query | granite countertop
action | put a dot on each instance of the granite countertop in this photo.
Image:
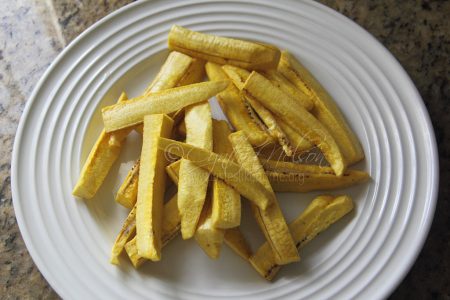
(33, 32)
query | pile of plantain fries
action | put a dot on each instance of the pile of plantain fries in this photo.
(277, 109)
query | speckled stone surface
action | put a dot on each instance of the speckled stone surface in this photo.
(33, 32)
(74, 16)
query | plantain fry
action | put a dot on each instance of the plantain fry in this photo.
(208, 237)
(193, 180)
(151, 187)
(237, 242)
(127, 193)
(177, 117)
(230, 172)
(172, 71)
(273, 152)
(234, 108)
(173, 170)
(317, 217)
(325, 109)
(233, 237)
(298, 142)
(132, 253)
(127, 231)
(191, 206)
(170, 229)
(289, 88)
(269, 123)
(128, 114)
(303, 182)
(226, 202)
(223, 50)
(294, 177)
(179, 69)
(237, 75)
(171, 221)
(103, 154)
(271, 220)
(195, 73)
(272, 126)
(291, 167)
(260, 89)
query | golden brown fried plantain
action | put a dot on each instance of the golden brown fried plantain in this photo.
(226, 202)
(242, 181)
(128, 230)
(170, 229)
(128, 114)
(209, 237)
(223, 50)
(290, 89)
(260, 89)
(271, 220)
(193, 180)
(100, 160)
(235, 109)
(325, 109)
(127, 193)
(151, 187)
(237, 242)
(318, 216)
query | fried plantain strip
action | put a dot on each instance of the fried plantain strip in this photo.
(207, 236)
(325, 109)
(289, 88)
(233, 236)
(273, 152)
(193, 180)
(234, 108)
(170, 229)
(171, 72)
(194, 74)
(304, 182)
(291, 167)
(271, 221)
(238, 243)
(151, 187)
(242, 181)
(127, 231)
(103, 154)
(128, 114)
(173, 170)
(317, 217)
(127, 193)
(272, 126)
(223, 50)
(178, 70)
(226, 202)
(260, 89)
(238, 76)
(298, 143)
(294, 177)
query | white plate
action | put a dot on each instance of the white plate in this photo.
(366, 254)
